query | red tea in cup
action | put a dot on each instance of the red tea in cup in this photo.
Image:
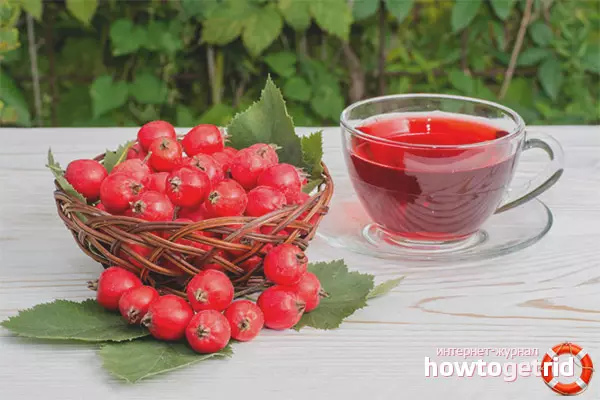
(428, 180)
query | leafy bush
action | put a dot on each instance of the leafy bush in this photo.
(190, 61)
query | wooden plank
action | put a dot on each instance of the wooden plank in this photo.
(538, 297)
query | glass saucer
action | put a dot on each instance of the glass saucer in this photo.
(348, 226)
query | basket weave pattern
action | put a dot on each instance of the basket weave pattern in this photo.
(172, 259)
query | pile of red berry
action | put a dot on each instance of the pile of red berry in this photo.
(198, 175)
(188, 181)
(209, 319)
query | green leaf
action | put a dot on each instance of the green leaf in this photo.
(532, 56)
(113, 158)
(591, 59)
(69, 320)
(225, 24)
(295, 13)
(333, 16)
(347, 292)
(141, 359)
(311, 185)
(107, 95)
(282, 63)
(9, 39)
(502, 8)
(296, 88)
(384, 288)
(199, 9)
(267, 121)
(83, 10)
(399, 8)
(148, 89)
(541, 34)
(462, 81)
(60, 178)
(33, 7)
(162, 37)
(13, 97)
(463, 12)
(328, 101)
(498, 30)
(551, 77)
(261, 29)
(125, 37)
(185, 117)
(219, 114)
(312, 152)
(362, 9)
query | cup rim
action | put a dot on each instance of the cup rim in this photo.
(520, 124)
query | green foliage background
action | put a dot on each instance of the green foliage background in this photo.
(122, 63)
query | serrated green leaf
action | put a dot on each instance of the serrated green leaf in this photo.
(114, 158)
(83, 10)
(333, 16)
(347, 292)
(267, 121)
(69, 320)
(541, 34)
(532, 56)
(362, 9)
(551, 77)
(125, 37)
(384, 288)
(296, 88)
(107, 95)
(141, 359)
(148, 89)
(295, 13)
(502, 8)
(33, 7)
(283, 63)
(13, 97)
(399, 8)
(58, 173)
(261, 29)
(462, 81)
(312, 152)
(463, 12)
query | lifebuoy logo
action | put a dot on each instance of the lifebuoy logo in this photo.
(550, 369)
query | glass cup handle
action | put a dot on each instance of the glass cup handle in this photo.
(544, 180)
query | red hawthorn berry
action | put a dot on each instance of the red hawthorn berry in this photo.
(166, 154)
(227, 199)
(208, 332)
(86, 177)
(168, 317)
(188, 187)
(152, 206)
(206, 139)
(155, 130)
(118, 191)
(245, 319)
(112, 284)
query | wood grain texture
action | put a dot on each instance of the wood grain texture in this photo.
(537, 297)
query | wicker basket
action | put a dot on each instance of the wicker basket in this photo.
(170, 263)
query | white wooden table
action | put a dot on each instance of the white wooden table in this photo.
(535, 298)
